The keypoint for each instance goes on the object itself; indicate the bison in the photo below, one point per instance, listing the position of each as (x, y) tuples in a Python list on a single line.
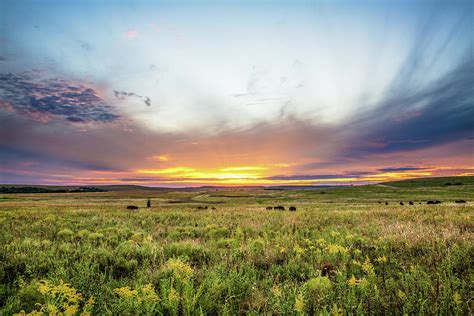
[(460, 201), (132, 207), (386, 203), (202, 207), (292, 209), (269, 208), (433, 202), (411, 202), (279, 207), (328, 270), (401, 203)]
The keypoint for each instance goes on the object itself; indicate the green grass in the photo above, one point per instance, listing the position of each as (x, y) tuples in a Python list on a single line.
[(240, 258)]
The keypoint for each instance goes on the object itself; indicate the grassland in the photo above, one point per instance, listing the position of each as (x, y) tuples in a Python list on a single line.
[(85, 253)]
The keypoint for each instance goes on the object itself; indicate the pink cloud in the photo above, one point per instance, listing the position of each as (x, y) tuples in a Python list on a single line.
[(131, 34)]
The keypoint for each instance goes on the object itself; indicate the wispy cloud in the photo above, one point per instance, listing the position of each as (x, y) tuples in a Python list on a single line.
[(121, 95)]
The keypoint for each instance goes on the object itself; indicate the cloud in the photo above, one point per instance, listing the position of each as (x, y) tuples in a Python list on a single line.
[(436, 114), (11, 156), (121, 95), (401, 169), (130, 34), (319, 176), (40, 99)]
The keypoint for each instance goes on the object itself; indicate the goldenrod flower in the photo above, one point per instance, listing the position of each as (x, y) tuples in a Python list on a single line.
[(353, 281), (299, 303), (368, 267), (381, 260)]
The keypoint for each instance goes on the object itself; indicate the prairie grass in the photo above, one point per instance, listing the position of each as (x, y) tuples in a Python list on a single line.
[(85, 254)]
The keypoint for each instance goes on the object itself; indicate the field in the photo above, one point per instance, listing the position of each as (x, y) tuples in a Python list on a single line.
[(85, 253)]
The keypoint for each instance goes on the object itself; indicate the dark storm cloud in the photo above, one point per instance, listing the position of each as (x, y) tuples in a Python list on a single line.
[(439, 113), (121, 95), (53, 99)]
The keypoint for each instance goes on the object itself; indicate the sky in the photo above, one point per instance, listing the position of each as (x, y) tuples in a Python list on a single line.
[(191, 93)]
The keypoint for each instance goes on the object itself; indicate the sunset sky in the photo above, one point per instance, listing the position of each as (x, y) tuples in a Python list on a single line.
[(190, 93)]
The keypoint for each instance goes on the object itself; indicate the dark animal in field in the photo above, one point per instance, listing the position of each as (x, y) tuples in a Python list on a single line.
[(386, 203), (202, 207), (279, 207), (322, 192), (148, 203), (132, 207), (433, 202), (292, 209), (213, 208), (328, 270), (380, 202), (460, 201), (411, 202), (269, 208), (401, 203)]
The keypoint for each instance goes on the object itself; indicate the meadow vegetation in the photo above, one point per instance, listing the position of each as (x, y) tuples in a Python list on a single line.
[(84, 253)]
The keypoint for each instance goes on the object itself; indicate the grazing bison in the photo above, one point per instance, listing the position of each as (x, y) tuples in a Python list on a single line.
[(292, 209), (460, 201), (411, 202), (213, 208), (401, 203), (132, 207), (328, 270), (386, 203), (202, 207), (279, 207), (269, 208), (433, 202), (148, 203)]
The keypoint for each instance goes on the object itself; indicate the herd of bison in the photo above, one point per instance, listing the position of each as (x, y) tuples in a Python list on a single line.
[(293, 208)]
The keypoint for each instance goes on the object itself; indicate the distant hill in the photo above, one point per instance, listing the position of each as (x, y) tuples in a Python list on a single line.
[(418, 182), (432, 182), (41, 189)]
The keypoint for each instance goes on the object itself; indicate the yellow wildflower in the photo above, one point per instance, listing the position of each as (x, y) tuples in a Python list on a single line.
[(336, 310), (298, 250), (299, 303), (276, 291), (401, 295), (457, 298), (381, 259), (125, 292), (336, 249), (148, 293), (173, 296), (179, 269), (368, 267), (353, 281)]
